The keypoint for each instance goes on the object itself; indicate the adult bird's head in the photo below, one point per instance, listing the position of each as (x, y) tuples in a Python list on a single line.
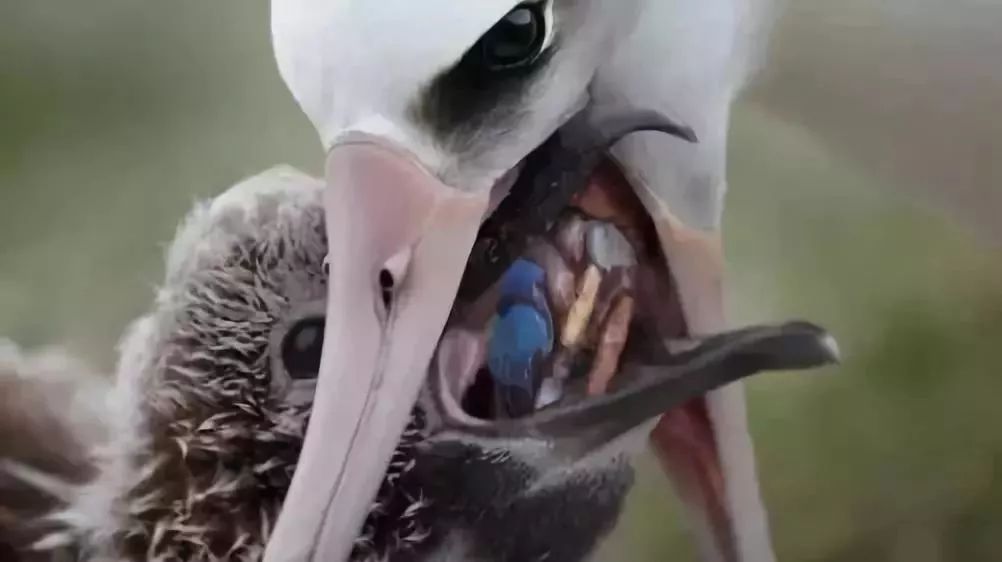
[(431, 112)]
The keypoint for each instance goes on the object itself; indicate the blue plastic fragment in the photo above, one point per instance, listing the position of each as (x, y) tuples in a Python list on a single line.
[(521, 338)]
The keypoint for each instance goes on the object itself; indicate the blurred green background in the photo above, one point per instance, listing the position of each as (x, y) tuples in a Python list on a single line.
[(865, 174)]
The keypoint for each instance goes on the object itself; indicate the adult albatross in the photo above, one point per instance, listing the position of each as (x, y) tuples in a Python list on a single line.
[(432, 112), (188, 454)]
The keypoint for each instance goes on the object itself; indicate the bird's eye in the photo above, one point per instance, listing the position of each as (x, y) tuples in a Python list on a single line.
[(516, 40), (302, 348)]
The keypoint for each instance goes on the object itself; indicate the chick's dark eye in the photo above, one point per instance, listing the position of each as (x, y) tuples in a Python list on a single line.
[(516, 40), (302, 347)]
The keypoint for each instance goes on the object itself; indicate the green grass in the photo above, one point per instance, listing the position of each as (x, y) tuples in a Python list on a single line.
[(114, 118)]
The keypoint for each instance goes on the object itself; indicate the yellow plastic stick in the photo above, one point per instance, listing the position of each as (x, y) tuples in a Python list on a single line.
[(581, 310)]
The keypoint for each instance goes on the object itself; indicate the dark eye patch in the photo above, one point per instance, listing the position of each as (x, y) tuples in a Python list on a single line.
[(488, 83)]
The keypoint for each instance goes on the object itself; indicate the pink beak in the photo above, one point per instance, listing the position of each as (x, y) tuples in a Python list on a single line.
[(399, 240)]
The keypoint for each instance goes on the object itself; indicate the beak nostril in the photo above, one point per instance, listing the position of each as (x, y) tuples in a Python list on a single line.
[(386, 285), (391, 274)]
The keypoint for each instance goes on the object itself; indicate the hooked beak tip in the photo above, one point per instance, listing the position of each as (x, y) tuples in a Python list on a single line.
[(803, 345), (686, 133), (830, 344)]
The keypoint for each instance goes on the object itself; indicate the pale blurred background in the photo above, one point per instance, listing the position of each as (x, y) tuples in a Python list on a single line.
[(866, 187)]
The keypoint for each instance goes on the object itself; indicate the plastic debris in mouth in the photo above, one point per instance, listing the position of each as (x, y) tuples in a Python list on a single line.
[(549, 292), (561, 314), (522, 330), (521, 339)]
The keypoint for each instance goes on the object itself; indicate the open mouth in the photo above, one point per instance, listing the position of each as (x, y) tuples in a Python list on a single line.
[(606, 298), (601, 295)]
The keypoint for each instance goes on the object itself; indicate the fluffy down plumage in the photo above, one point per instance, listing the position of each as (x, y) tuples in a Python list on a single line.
[(186, 453)]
